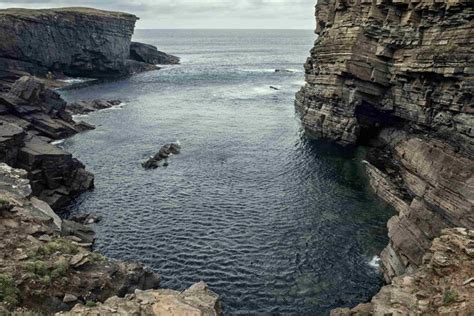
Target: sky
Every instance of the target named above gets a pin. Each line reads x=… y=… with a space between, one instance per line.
x=166 y=14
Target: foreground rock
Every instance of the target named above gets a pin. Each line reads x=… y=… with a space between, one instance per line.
x=32 y=116
x=397 y=75
x=198 y=300
x=45 y=264
x=151 y=55
x=443 y=286
x=161 y=158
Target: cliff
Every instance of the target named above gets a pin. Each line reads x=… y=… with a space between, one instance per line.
x=443 y=286
x=78 y=42
x=397 y=75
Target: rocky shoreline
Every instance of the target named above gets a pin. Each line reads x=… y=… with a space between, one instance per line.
x=397 y=76
x=46 y=263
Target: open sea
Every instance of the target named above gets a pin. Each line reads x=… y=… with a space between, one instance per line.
x=276 y=223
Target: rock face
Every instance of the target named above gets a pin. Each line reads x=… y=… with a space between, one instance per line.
x=31 y=117
x=44 y=266
x=77 y=42
x=74 y=41
x=443 y=286
x=198 y=300
x=391 y=63
x=398 y=76
x=151 y=55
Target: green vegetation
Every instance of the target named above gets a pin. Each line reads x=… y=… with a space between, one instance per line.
x=95 y=257
x=60 y=269
x=39 y=270
x=91 y=304
x=60 y=245
x=450 y=296
x=4 y=203
x=8 y=290
x=75 y=10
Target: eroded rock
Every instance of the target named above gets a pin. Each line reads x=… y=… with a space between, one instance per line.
x=47 y=271
x=198 y=300
x=151 y=55
x=160 y=159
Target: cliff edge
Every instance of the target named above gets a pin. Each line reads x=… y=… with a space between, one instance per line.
x=77 y=42
x=397 y=75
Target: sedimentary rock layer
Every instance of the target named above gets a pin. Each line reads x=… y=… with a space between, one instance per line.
x=74 y=41
x=32 y=116
x=398 y=76
x=391 y=63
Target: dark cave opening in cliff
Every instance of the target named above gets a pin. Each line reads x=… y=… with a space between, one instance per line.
x=371 y=120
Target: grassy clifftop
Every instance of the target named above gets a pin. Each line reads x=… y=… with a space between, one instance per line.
x=21 y=12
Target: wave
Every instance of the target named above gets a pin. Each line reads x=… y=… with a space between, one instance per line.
x=76 y=80
x=58 y=142
x=375 y=262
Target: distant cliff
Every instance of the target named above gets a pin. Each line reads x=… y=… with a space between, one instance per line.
x=80 y=42
x=397 y=75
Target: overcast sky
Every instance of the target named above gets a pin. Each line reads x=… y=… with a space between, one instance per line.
x=269 y=14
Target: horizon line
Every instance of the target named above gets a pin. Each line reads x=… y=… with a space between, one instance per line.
x=214 y=28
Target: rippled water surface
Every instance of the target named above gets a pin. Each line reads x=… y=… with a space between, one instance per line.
x=274 y=222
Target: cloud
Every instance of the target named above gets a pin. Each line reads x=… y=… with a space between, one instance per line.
x=198 y=13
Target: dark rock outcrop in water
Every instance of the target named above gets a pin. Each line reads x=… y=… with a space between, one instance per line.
x=80 y=42
x=160 y=159
x=398 y=75
x=151 y=55
x=84 y=107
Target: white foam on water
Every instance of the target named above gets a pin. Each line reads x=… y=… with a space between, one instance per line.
x=299 y=83
x=76 y=80
x=375 y=262
x=265 y=90
x=259 y=70
x=58 y=142
x=79 y=116
x=117 y=107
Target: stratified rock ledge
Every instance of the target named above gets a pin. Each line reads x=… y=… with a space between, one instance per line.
x=398 y=76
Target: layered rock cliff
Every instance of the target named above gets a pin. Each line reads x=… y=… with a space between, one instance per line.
x=31 y=117
x=397 y=75
x=81 y=42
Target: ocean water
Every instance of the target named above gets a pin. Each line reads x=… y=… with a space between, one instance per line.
x=276 y=223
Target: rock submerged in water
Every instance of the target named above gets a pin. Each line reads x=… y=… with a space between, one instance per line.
x=160 y=159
